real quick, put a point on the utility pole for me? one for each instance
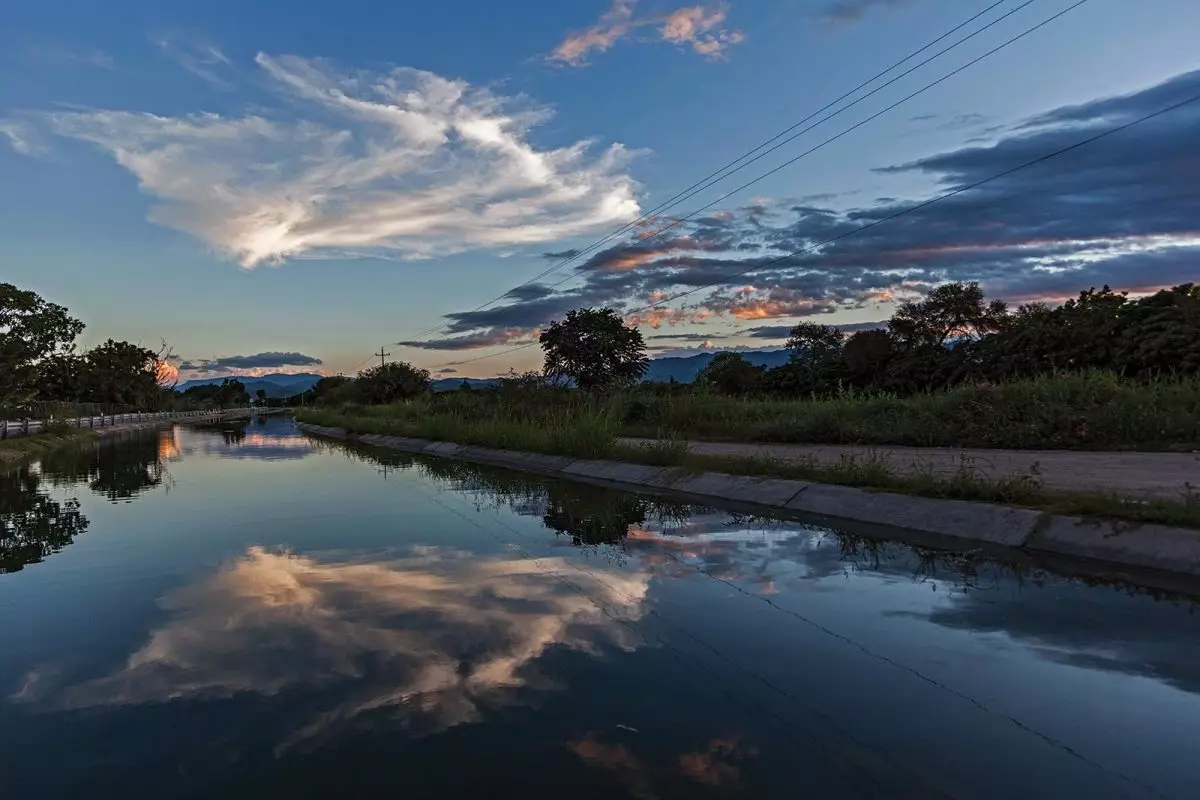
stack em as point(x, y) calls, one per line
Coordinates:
point(382, 356)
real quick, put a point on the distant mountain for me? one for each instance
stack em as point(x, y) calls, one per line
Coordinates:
point(686, 369)
point(450, 384)
point(275, 385)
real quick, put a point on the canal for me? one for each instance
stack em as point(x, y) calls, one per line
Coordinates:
point(250, 612)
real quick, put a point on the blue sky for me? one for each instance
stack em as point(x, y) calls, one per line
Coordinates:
point(264, 179)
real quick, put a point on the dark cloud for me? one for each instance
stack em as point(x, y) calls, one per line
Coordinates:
point(689, 337)
point(562, 254)
point(847, 12)
point(530, 291)
point(784, 331)
point(270, 360)
point(447, 371)
point(1122, 210)
point(473, 341)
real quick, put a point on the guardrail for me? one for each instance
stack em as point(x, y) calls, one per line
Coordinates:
point(10, 429)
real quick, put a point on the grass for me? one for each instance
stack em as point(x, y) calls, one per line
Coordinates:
point(593, 434)
point(27, 446)
point(1090, 411)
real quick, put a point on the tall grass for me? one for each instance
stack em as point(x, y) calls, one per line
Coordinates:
point(1091, 411)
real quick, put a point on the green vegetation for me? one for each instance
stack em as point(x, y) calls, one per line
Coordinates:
point(27, 446)
point(1102, 372)
point(592, 434)
point(1082, 411)
point(39, 365)
point(594, 349)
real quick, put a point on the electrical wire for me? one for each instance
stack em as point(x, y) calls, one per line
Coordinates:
point(733, 166)
point(892, 217)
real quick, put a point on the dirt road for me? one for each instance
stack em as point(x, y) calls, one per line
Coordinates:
point(1140, 475)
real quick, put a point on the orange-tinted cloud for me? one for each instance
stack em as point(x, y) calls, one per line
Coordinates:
point(696, 26)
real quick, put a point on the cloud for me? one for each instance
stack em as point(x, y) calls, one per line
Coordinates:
point(697, 27)
point(83, 56)
point(403, 163)
point(1122, 211)
point(488, 338)
point(272, 360)
point(785, 331)
point(202, 59)
point(424, 643)
point(21, 137)
point(848, 12)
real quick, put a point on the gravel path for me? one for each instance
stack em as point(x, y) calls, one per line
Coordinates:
point(1141, 475)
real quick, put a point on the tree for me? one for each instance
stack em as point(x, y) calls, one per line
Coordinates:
point(950, 310)
point(230, 394)
point(261, 394)
point(729, 373)
point(120, 373)
point(31, 331)
point(865, 357)
point(813, 345)
point(595, 348)
point(389, 383)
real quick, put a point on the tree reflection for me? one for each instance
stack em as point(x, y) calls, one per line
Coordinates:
point(32, 525)
point(588, 513)
point(118, 469)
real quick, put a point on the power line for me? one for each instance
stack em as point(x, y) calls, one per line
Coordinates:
point(680, 220)
point(863, 122)
point(717, 176)
point(892, 217)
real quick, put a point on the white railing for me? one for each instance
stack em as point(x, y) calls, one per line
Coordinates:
point(10, 429)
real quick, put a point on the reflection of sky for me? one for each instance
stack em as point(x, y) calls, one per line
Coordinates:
point(323, 601)
point(428, 639)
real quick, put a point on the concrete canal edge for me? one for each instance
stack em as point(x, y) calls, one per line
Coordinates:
point(1124, 544)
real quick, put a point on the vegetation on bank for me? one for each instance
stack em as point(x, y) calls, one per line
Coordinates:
point(1102, 371)
point(28, 446)
point(593, 434)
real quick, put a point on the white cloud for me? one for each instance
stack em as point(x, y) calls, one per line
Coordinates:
point(202, 59)
point(21, 137)
point(426, 641)
point(404, 163)
point(697, 26)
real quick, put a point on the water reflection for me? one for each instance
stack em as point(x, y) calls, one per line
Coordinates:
point(119, 469)
point(270, 438)
point(423, 642)
point(716, 766)
point(32, 524)
point(1059, 618)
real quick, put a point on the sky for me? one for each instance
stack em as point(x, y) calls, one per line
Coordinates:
point(288, 187)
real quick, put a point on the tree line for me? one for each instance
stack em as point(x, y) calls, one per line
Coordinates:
point(40, 362)
point(954, 336)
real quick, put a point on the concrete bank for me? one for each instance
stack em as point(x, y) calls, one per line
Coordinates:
point(1120, 544)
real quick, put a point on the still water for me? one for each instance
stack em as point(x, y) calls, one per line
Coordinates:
point(251, 612)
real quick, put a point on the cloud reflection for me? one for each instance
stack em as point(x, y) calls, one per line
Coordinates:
point(425, 642)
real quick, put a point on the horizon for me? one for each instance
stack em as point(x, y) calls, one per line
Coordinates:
point(275, 193)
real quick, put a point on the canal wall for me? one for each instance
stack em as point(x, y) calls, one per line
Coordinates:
point(1116, 543)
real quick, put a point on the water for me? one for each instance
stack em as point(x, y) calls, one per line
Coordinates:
point(200, 613)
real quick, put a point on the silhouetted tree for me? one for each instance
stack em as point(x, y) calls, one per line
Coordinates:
point(31, 332)
point(729, 373)
point(389, 383)
point(950, 310)
point(595, 349)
